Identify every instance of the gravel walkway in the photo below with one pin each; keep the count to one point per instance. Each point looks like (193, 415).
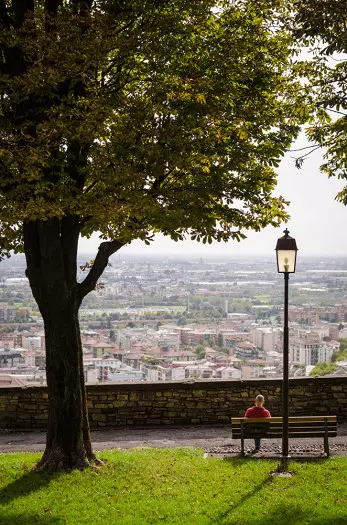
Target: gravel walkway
(214, 440)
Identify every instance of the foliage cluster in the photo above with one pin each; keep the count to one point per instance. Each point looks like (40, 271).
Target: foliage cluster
(341, 354)
(323, 369)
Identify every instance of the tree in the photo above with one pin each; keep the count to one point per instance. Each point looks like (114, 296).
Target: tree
(200, 351)
(129, 118)
(220, 339)
(320, 25)
(21, 316)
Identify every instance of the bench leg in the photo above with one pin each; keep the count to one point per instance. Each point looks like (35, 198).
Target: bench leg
(242, 441)
(326, 440)
(242, 446)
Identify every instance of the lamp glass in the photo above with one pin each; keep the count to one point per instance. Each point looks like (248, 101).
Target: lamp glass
(286, 260)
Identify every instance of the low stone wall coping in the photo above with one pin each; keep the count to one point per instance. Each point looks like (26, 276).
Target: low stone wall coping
(211, 384)
(201, 402)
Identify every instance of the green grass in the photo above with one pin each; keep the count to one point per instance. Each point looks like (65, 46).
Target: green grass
(148, 486)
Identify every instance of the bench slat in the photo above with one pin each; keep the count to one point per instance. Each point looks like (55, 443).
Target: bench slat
(266, 431)
(310, 424)
(274, 435)
(279, 419)
(278, 428)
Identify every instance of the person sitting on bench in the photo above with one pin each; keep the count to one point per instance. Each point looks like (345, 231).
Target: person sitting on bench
(257, 411)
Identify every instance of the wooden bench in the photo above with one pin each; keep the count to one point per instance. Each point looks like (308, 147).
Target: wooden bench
(271, 428)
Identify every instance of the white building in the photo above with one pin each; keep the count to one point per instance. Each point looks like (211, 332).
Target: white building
(308, 349)
(167, 339)
(109, 370)
(267, 338)
(178, 374)
(34, 342)
(229, 372)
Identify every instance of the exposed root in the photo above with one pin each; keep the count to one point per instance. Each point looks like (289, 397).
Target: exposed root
(98, 462)
(56, 460)
(89, 451)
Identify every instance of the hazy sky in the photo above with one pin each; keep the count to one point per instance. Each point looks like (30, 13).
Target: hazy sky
(317, 220)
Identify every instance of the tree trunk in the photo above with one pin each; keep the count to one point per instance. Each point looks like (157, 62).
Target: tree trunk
(68, 445)
(51, 252)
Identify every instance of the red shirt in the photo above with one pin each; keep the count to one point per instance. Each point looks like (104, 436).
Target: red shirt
(257, 412)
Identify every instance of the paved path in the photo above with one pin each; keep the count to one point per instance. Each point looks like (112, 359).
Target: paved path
(157, 437)
(214, 440)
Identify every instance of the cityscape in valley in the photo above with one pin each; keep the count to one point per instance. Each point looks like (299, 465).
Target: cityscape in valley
(163, 319)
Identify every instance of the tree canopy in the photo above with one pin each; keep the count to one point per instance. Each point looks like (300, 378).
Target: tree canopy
(137, 117)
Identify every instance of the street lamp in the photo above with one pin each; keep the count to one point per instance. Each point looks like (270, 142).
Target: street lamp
(286, 260)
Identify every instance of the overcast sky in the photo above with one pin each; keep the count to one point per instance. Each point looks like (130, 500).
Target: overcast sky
(317, 220)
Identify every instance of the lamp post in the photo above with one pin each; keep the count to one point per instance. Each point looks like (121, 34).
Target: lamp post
(286, 251)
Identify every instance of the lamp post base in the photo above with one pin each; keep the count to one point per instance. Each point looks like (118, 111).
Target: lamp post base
(283, 466)
(281, 474)
(282, 469)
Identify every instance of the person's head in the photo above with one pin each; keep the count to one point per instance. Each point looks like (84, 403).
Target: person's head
(259, 401)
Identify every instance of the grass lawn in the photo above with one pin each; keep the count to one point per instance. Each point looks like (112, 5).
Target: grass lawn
(151, 486)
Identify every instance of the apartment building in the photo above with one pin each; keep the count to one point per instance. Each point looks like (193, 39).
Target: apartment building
(6, 314)
(308, 349)
(192, 337)
(246, 350)
(268, 339)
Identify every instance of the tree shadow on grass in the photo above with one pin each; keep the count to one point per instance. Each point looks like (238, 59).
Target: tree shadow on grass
(277, 515)
(25, 485)
(10, 518)
(280, 515)
(257, 489)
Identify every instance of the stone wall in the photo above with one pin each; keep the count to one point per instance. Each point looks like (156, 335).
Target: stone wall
(207, 402)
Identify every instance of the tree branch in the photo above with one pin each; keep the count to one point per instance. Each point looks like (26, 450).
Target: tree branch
(5, 20)
(158, 181)
(69, 234)
(306, 147)
(21, 8)
(106, 249)
(300, 160)
(90, 187)
(52, 6)
(32, 252)
(338, 112)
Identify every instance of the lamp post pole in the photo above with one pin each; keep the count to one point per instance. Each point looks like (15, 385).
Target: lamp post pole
(286, 251)
(285, 386)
